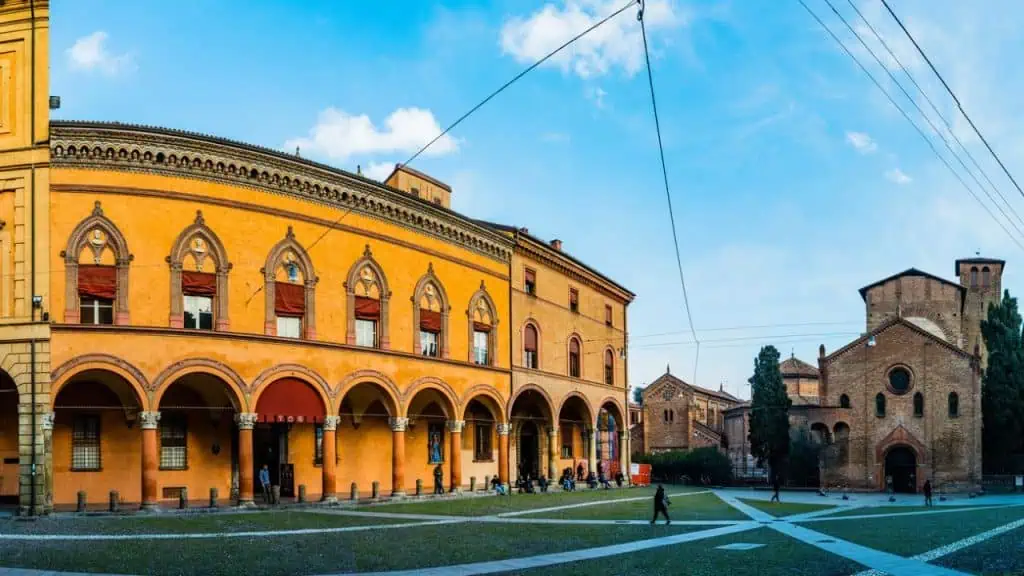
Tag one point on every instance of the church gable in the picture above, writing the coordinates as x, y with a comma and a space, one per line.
899, 328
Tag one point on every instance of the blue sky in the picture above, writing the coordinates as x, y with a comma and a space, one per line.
794, 181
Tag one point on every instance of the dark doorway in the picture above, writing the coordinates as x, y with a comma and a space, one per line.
270, 447
901, 464
528, 448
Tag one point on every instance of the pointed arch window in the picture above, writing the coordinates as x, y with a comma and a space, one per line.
367, 295
574, 357
530, 342
199, 279
430, 316
290, 290
483, 334
609, 367
96, 264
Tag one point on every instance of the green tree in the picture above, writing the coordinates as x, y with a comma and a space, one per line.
638, 395
769, 412
1002, 390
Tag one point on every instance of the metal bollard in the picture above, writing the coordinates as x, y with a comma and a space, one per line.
82, 500
183, 499
115, 501
354, 492
487, 483
213, 497
375, 490
472, 483
302, 493
275, 494
419, 487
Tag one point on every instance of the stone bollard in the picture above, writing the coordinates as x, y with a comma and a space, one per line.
302, 493
275, 494
115, 501
353, 494
419, 487
375, 490
487, 483
213, 497
82, 500
472, 483
183, 499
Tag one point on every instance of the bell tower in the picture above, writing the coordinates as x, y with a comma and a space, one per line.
983, 280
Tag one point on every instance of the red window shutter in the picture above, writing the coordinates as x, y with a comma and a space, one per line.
481, 327
531, 276
430, 321
574, 297
289, 299
367, 308
608, 359
574, 347
530, 339
97, 282
198, 284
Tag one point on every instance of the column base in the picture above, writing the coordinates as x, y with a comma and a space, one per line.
246, 504
150, 507
399, 494
455, 490
329, 499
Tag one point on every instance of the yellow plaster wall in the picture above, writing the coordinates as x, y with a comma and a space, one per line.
121, 461
205, 470
364, 455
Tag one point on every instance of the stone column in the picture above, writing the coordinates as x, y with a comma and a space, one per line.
398, 426
246, 422
455, 432
150, 458
46, 425
503, 431
553, 453
329, 454
592, 449
624, 454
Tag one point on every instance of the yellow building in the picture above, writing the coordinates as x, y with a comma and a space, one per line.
179, 310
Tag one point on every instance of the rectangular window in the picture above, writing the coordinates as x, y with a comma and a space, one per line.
531, 359
609, 374
428, 343
530, 282
482, 450
480, 347
607, 315
574, 300
199, 312
567, 441
85, 443
96, 310
289, 326
173, 442
366, 333
318, 451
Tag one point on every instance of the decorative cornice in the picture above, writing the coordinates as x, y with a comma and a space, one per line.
143, 149
574, 270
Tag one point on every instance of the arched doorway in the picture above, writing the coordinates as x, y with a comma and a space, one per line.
365, 440
901, 465
290, 417
482, 416
531, 416
528, 448
611, 431
9, 469
428, 439
575, 432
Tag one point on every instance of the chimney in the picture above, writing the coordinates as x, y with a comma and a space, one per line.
556, 244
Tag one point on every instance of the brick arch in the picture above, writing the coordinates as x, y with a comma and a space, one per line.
367, 261
380, 380
105, 362
175, 371
309, 279
900, 436
77, 241
268, 376
620, 419
535, 388
590, 415
180, 249
481, 295
483, 390
428, 279
431, 383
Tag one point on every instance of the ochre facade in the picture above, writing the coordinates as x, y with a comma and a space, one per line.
204, 307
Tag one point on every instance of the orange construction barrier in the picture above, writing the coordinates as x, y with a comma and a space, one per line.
640, 474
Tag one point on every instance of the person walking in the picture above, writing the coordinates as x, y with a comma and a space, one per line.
265, 483
661, 503
438, 480
928, 493
775, 488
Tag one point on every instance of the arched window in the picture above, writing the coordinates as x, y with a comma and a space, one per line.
199, 279
96, 262
530, 356
430, 316
974, 277
841, 433
985, 277
844, 401
290, 288
665, 414
954, 405
918, 405
899, 380
609, 367
574, 357
367, 297
483, 323
880, 405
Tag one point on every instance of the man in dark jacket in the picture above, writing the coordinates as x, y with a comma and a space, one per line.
775, 487
438, 480
927, 492
661, 505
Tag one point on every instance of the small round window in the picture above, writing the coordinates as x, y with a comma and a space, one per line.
899, 380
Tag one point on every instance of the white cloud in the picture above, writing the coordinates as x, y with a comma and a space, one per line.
89, 53
862, 142
897, 176
596, 94
379, 170
615, 44
339, 135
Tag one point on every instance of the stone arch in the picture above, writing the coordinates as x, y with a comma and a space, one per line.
98, 233
178, 370
574, 341
199, 241
549, 405
101, 362
379, 380
590, 416
619, 414
356, 278
432, 383
823, 430
483, 314
290, 248
268, 376
494, 402
430, 287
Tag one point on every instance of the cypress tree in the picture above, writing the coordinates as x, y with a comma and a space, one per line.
1002, 389
769, 411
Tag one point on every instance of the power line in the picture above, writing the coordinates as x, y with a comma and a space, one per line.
953, 94
517, 77
668, 195
917, 128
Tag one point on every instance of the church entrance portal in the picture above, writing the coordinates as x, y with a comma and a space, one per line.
901, 464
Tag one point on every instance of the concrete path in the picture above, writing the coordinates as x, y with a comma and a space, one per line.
597, 503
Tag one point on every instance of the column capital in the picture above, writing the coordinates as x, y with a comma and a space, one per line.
246, 420
456, 426
331, 422
150, 420
553, 430
47, 422
504, 429
623, 433
398, 424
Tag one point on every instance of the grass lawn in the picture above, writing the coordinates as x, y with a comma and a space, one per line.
780, 509
489, 505
779, 556
281, 520
372, 550
882, 510
694, 507
1003, 554
910, 535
